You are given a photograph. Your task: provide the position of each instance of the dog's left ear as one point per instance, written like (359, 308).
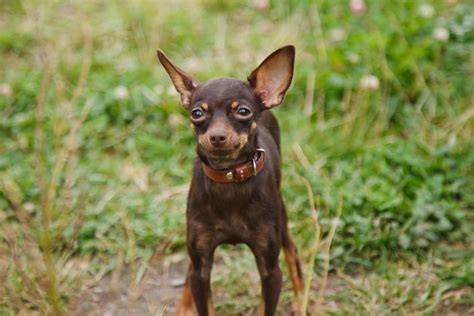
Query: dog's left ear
(273, 77)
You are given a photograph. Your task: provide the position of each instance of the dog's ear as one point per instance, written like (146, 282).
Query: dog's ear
(273, 77)
(184, 83)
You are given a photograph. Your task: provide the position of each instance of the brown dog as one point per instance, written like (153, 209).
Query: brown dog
(235, 190)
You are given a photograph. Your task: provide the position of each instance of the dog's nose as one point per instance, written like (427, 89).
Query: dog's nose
(218, 137)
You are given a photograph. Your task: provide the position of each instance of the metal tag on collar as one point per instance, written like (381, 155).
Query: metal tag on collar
(229, 175)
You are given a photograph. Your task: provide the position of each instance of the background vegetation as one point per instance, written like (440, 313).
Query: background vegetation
(96, 153)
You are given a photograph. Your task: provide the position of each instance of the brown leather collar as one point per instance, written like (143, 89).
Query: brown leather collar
(239, 173)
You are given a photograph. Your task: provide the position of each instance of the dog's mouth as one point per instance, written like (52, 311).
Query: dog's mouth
(223, 153)
(222, 158)
(231, 151)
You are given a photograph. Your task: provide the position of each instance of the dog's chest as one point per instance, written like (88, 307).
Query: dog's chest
(241, 223)
(233, 229)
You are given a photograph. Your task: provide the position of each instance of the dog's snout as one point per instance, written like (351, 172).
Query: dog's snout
(218, 137)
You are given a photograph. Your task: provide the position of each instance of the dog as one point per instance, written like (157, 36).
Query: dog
(234, 195)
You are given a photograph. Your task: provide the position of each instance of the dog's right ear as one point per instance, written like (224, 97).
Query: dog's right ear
(184, 83)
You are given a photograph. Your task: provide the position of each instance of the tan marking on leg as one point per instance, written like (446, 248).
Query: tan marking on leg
(205, 106)
(261, 239)
(262, 242)
(261, 308)
(234, 105)
(202, 242)
(185, 306)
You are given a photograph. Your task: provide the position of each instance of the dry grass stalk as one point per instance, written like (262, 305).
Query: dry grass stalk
(309, 97)
(327, 255)
(314, 248)
(302, 158)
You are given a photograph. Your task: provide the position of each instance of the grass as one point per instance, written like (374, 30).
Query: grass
(96, 153)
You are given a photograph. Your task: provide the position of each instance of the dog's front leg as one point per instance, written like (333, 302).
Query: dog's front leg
(266, 253)
(202, 256)
(200, 281)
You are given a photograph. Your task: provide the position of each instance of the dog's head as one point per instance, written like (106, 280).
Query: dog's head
(224, 111)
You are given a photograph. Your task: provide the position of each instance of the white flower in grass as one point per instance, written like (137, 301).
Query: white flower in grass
(121, 93)
(369, 82)
(441, 34)
(29, 207)
(425, 10)
(6, 90)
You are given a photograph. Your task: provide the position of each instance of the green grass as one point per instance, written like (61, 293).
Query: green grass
(398, 156)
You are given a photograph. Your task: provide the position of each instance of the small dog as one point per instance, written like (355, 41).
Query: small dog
(235, 190)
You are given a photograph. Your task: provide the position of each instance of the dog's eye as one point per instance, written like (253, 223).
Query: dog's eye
(197, 114)
(244, 111)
